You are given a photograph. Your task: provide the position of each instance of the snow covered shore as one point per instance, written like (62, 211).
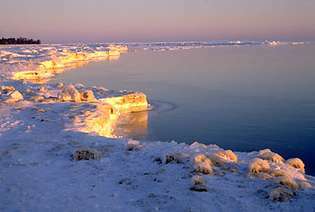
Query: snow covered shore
(59, 150)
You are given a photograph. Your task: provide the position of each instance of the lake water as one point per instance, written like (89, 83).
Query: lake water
(241, 98)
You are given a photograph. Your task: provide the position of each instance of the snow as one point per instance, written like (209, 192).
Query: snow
(42, 136)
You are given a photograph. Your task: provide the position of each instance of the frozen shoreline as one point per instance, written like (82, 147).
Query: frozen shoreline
(39, 133)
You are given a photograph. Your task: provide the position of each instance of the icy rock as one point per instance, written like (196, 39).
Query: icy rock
(296, 163)
(86, 154)
(293, 183)
(304, 185)
(202, 164)
(37, 98)
(258, 165)
(43, 90)
(278, 172)
(41, 110)
(221, 157)
(267, 154)
(29, 91)
(281, 194)
(177, 157)
(14, 97)
(198, 184)
(198, 180)
(60, 85)
(6, 89)
(288, 181)
(88, 96)
(133, 145)
(70, 93)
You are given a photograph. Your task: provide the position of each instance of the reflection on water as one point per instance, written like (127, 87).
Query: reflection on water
(132, 125)
(242, 98)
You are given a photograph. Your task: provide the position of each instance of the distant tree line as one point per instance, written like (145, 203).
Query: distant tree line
(6, 41)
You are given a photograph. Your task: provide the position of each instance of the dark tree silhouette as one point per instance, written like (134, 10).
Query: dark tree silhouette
(7, 41)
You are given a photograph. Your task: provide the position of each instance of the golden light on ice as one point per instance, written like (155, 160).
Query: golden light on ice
(108, 116)
(45, 70)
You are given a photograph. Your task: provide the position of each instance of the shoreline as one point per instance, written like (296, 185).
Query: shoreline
(43, 124)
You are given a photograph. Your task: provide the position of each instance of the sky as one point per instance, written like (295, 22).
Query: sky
(62, 21)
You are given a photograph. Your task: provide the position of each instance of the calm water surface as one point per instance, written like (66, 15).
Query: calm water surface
(242, 98)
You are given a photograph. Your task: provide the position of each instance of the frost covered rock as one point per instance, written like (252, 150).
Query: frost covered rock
(133, 145)
(281, 173)
(296, 163)
(70, 94)
(14, 97)
(281, 194)
(293, 183)
(221, 157)
(86, 154)
(258, 165)
(288, 181)
(202, 164)
(198, 184)
(278, 172)
(88, 96)
(267, 154)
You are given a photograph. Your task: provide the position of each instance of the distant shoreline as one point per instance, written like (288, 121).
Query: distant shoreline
(18, 41)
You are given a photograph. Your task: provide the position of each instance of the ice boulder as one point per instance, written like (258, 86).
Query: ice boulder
(296, 163)
(267, 154)
(177, 157)
(221, 157)
(198, 184)
(133, 145)
(69, 94)
(6, 89)
(88, 96)
(14, 97)
(258, 165)
(202, 164)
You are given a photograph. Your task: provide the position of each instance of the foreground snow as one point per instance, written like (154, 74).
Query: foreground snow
(44, 128)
